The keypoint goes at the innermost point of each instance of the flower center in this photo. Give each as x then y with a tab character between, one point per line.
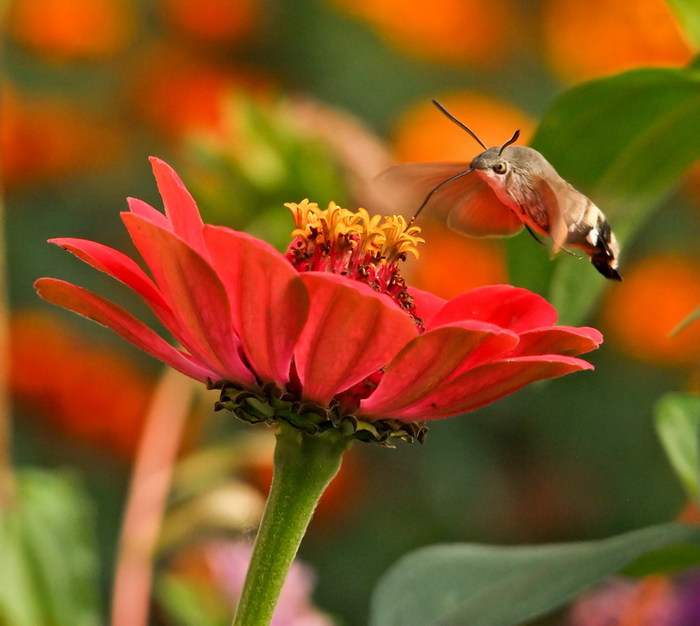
363	247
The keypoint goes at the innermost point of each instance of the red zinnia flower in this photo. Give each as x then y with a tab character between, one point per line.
328	334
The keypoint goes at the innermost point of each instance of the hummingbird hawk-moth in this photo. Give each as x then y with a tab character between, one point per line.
513	187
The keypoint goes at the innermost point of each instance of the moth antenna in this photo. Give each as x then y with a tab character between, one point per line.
513	139
460	124
436	188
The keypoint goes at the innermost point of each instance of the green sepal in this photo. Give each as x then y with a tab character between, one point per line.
270	406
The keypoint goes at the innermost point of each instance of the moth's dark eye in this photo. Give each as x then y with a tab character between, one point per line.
500	168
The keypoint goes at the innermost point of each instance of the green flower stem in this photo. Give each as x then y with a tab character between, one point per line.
304	465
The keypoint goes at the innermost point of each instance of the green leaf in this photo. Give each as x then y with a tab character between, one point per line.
484	585
626	158
677	417
688	14
19	602
664	561
49	567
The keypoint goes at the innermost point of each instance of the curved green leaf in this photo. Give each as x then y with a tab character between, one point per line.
677	418
623	141
484	585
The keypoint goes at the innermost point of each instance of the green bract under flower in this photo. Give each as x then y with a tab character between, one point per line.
268	407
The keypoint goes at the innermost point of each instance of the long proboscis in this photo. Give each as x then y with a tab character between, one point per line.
462	125
436	188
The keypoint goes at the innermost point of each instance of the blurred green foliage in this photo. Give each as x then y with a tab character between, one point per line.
689	17
678	424
49	572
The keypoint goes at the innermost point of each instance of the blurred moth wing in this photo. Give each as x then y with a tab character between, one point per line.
468	204
482	214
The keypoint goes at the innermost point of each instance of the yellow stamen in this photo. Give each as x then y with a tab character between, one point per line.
386	237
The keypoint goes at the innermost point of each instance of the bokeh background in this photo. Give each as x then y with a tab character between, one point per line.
257	103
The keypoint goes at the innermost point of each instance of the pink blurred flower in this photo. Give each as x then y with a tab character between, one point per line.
652	601
229	564
622	601
330	324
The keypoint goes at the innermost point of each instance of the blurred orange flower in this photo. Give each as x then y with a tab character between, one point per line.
476	33
422	133
64	29
49	138
480	262
656	295
177	93
91	393
588	39
216	21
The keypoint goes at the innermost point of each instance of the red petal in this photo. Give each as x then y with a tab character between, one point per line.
427	304
268	300
119	266
487	383
108	314
433	358
351	332
508	307
565	340
196	296
139	207
179	205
